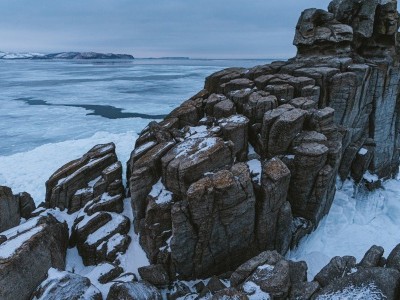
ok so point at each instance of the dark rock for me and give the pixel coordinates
(126, 277)
(275, 180)
(221, 204)
(107, 272)
(337, 268)
(298, 271)
(141, 290)
(66, 285)
(274, 280)
(322, 113)
(154, 274)
(235, 129)
(229, 293)
(41, 244)
(393, 260)
(224, 109)
(245, 270)
(215, 285)
(26, 205)
(188, 161)
(101, 237)
(372, 257)
(199, 286)
(179, 289)
(303, 290)
(9, 209)
(79, 181)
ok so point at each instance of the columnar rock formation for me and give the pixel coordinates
(14, 207)
(250, 163)
(95, 178)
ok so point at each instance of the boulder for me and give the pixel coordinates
(140, 290)
(247, 268)
(338, 267)
(30, 250)
(9, 209)
(154, 274)
(101, 236)
(66, 285)
(372, 257)
(393, 260)
(79, 181)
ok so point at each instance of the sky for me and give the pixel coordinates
(154, 28)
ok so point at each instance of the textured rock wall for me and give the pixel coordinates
(256, 153)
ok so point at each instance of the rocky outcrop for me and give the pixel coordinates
(66, 285)
(140, 290)
(331, 110)
(270, 276)
(101, 236)
(28, 252)
(14, 207)
(96, 177)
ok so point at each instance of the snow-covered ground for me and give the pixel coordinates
(356, 221)
(28, 171)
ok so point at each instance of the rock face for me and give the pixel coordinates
(13, 207)
(331, 110)
(29, 251)
(92, 185)
(95, 178)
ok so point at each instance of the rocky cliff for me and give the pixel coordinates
(250, 163)
(228, 182)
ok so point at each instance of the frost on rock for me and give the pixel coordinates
(370, 292)
(66, 285)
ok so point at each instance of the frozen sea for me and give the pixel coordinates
(54, 111)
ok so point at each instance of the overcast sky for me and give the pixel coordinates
(154, 28)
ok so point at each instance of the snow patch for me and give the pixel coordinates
(370, 292)
(160, 193)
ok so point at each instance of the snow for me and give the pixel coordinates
(144, 147)
(9, 247)
(356, 221)
(93, 182)
(114, 241)
(86, 220)
(197, 132)
(91, 163)
(134, 257)
(110, 227)
(370, 177)
(255, 169)
(370, 292)
(363, 151)
(254, 292)
(10, 233)
(160, 193)
(28, 171)
(201, 145)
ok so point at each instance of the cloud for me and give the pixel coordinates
(202, 28)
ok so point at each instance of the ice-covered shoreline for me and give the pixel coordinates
(354, 223)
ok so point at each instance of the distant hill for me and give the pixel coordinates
(64, 55)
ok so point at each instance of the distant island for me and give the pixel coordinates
(64, 55)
